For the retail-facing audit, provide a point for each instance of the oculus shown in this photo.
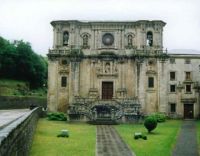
(108, 39)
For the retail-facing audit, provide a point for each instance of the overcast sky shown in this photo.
(30, 19)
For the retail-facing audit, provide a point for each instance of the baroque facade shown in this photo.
(117, 70)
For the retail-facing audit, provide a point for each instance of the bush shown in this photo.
(57, 116)
(144, 137)
(160, 117)
(150, 123)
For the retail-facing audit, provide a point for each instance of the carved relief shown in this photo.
(63, 66)
(106, 68)
(85, 40)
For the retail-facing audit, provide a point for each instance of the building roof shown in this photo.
(53, 23)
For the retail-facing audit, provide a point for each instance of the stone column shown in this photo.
(59, 38)
(77, 78)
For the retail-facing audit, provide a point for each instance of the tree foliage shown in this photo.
(18, 61)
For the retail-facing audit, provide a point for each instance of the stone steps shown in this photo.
(103, 121)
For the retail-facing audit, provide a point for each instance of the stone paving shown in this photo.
(8, 116)
(186, 144)
(109, 143)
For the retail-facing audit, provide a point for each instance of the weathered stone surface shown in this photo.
(16, 138)
(8, 116)
(128, 62)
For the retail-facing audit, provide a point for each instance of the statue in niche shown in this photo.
(130, 40)
(85, 40)
(115, 68)
(149, 39)
(65, 38)
(107, 68)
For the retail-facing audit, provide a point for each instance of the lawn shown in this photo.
(160, 142)
(198, 133)
(82, 140)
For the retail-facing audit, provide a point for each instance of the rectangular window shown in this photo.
(63, 81)
(188, 88)
(172, 76)
(172, 107)
(187, 61)
(187, 75)
(172, 88)
(151, 82)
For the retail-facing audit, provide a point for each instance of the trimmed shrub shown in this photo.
(144, 137)
(57, 116)
(160, 117)
(150, 123)
(136, 137)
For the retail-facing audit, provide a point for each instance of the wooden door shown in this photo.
(188, 111)
(107, 90)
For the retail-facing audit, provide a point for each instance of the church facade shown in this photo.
(117, 70)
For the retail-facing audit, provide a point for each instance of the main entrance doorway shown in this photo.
(188, 111)
(107, 90)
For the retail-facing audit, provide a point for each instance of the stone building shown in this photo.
(117, 70)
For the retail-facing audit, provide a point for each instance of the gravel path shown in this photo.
(109, 143)
(187, 140)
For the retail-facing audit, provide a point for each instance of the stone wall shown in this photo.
(13, 102)
(16, 138)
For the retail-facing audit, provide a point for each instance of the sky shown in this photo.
(29, 20)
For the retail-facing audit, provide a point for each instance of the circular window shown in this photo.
(107, 39)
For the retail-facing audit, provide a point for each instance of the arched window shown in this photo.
(149, 39)
(85, 40)
(130, 40)
(65, 38)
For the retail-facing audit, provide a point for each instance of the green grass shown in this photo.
(198, 133)
(9, 87)
(160, 142)
(81, 142)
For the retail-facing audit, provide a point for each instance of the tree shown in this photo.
(19, 61)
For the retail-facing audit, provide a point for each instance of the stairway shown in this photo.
(103, 121)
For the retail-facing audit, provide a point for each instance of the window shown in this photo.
(149, 39)
(172, 60)
(172, 88)
(172, 76)
(151, 82)
(188, 88)
(65, 38)
(63, 81)
(187, 61)
(172, 107)
(64, 62)
(187, 75)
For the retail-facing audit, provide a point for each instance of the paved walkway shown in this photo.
(109, 143)
(187, 140)
(8, 116)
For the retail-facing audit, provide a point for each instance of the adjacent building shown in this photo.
(119, 69)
